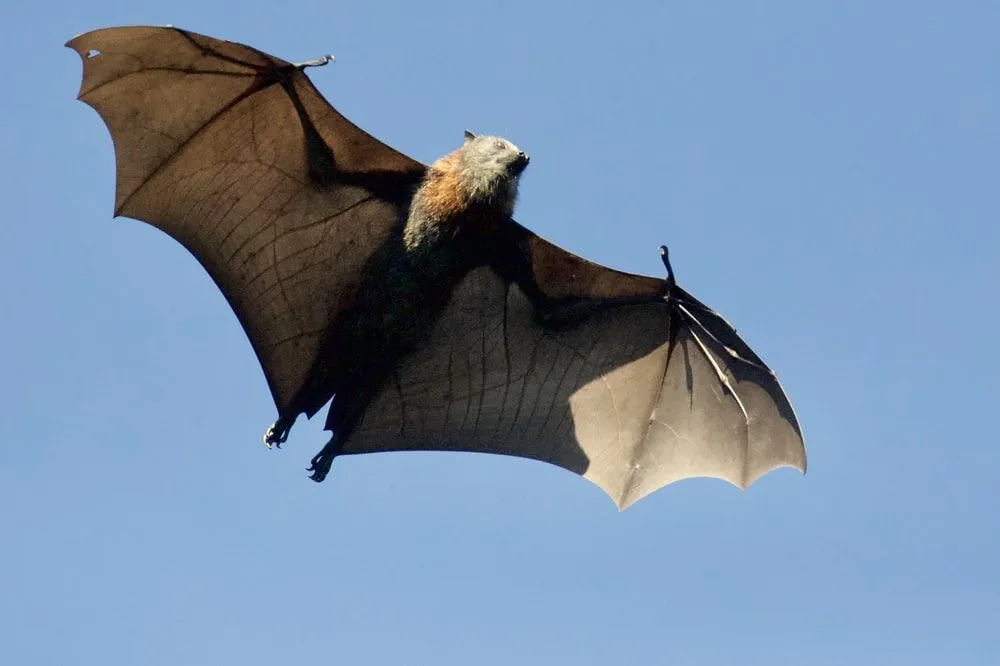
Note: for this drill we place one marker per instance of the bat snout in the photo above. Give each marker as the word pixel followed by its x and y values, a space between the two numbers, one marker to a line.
pixel 520 163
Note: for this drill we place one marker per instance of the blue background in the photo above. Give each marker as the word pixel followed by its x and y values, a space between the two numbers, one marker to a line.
pixel 826 174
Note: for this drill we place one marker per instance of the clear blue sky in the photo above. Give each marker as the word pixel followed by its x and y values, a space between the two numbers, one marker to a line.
pixel 826 174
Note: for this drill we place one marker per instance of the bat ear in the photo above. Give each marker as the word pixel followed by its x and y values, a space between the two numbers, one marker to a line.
pixel 469 136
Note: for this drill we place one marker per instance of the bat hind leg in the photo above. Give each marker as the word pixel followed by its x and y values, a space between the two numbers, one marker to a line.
pixel 345 412
pixel 277 433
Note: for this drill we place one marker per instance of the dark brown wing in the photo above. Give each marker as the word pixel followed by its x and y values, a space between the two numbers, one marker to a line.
pixel 632 398
pixel 234 153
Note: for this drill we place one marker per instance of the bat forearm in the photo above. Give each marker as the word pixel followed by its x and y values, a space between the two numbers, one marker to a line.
pixel 559 295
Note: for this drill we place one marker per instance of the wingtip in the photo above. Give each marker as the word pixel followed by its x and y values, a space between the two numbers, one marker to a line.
pixel 74 42
pixel 94 31
pixel 79 36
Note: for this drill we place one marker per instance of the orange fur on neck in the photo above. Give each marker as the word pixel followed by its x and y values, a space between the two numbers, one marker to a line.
pixel 442 195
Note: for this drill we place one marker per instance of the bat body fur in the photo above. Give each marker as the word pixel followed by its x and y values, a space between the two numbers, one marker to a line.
pixel 407 296
pixel 465 199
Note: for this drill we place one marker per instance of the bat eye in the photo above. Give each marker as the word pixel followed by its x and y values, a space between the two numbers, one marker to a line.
pixel 501 145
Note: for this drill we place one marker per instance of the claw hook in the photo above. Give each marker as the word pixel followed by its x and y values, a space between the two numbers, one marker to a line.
pixel 665 256
pixel 318 62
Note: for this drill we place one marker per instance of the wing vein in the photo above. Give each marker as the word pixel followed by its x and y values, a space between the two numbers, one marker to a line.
pixel 724 380
pixel 630 472
pixel 729 350
pixel 252 90
pixel 222 56
pixel 177 70
pixel 506 358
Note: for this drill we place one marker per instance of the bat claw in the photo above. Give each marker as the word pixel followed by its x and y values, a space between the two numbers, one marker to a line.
pixel 318 62
pixel 277 433
pixel 665 256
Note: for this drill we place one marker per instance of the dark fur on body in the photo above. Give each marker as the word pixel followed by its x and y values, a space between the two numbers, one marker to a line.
pixel 465 199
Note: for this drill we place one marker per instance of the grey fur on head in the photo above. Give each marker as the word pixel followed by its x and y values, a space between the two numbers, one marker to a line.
pixel 489 167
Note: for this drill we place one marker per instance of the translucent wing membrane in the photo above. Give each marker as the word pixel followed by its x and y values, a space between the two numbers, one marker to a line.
pixel 218 145
pixel 634 399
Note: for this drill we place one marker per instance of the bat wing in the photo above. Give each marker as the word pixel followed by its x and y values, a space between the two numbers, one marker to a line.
pixel 234 153
pixel 632 397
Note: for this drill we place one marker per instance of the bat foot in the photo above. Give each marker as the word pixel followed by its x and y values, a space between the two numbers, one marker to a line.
pixel 277 433
pixel 322 461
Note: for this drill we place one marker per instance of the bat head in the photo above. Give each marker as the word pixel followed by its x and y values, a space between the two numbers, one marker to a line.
pixel 496 153
pixel 490 167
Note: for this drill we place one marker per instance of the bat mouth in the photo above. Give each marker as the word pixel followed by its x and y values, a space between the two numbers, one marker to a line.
pixel 519 164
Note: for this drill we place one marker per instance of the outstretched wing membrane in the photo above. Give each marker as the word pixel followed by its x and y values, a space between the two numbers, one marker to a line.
pixel 234 153
pixel 633 397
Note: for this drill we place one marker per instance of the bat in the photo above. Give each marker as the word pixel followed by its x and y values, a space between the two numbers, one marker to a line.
pixel 406 296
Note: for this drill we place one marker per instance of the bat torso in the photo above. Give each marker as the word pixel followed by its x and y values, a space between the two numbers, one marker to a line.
pixel 406 284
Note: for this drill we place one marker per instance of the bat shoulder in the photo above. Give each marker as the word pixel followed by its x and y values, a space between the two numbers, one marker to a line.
pixel 442 195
